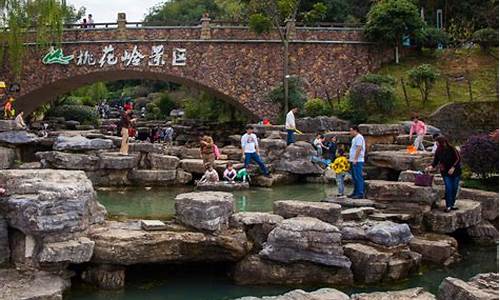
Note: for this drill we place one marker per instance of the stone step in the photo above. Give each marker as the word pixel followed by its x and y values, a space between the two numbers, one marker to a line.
pixel 395 191
pixel 357 213
pixel 399 160
pixel 348 202
pixel 395 217
pixel 326 212
pixel 467 215
pixel 436 248
pixel 153 225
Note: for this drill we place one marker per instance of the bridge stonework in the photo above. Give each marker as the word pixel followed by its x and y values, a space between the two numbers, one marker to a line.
pixel 230 62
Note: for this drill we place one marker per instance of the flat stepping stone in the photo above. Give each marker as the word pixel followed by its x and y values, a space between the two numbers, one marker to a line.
pixel 395 217
pixel 348 202
pixel 467 215
pixel 153 225
pixel 357 213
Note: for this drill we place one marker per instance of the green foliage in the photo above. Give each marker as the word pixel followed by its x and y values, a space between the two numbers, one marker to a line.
pixel 316 14
pixel 317 107
pixel 296 94
pixel 90 94
pixel 423 77
pixel 181 11
pixel 389 20
pixel 165 104
pixel 430 37
pixel 259 23
pixel 208 108
pixel 486 38
pixel 84 114
pixel 379 79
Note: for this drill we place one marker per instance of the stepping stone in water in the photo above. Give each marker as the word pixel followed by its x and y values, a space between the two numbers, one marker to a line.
pixel 153 225
pixel 348 202
pixel 358 213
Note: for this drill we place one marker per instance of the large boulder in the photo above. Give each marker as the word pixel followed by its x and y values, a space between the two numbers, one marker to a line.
pixel 8 125
pixel 436 248
pixel 192 165
pixel 78 142
pixel 222 186
pixel 257 225
pixel 145 148
pixel 17 137
pixel 152 177
pixel 72 251
pixel 68 161
pixel 32 285
pixel 163 162
pixel 389 234
pixel 253 270
pixel 380 129
pixel 483 233
pixel 204 210
pixel 395 191
pixel 373 264
pixel 321 294
pixel 489 201
pixel 305 239
pixel 7 157
pixel 4 242
pixel 399 160
pixel 271 149
pixel 409 294
pixel 115 161
pixel 297 160
pixel 326 212
pixel 480 287
pixel 127 244
pixel 467 215
pixel 321 124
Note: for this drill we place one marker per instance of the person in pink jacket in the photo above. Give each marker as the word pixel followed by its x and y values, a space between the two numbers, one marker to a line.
pixel 418 128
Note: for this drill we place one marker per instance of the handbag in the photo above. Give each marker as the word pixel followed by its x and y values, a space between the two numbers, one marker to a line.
pixel 424 179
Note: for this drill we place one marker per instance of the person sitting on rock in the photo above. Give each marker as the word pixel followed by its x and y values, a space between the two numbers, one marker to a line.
pixel 210 175
pixel 229 173
pixel 319 144
pixel 20 122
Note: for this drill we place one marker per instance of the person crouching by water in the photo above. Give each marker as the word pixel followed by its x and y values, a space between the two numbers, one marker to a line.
pixel 449 162
pixel 20 121
pixel 125 123
pixel 210 175
pixel 229 173
pixel 340 166
pixel 250 149
pixel 207 150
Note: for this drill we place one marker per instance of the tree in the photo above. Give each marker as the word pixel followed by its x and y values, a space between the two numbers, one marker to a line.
pixel 431 37
pixel 181 11
pixel 390 20
pixel 423 77
pixel 297 95
pixel 486 38
pixel 480 154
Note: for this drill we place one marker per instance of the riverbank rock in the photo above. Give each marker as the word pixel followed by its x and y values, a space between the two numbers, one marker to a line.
pixel 72 251
pixel 116 161
pixel 404 192
pixel 257 225
pixel 78 143
pixel 254 269
pixel 297 160
pixel 305 239
pixel 357 213
pixel 223 186
pixel 68 161
pixel 108 277
pixel 373 264
pixel 483 233
pixel 17 137
pixel 152 177
pixel 121 243
pixel 4 242
pixel 7 157
pixel 399 160
pixel 32 285
pixel 7 125
pixel 204 210
pixel 321 124
pixel 276 178
pixel 163 162
pixel 436 248
pixel 389 234
pixel 467 215
pixel 488 200
pixel 321 294
pixel 326 212
pixel 480 287
pixel 146 148
pixel 409 294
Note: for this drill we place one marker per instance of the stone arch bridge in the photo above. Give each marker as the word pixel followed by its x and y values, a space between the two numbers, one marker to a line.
pixel 230 62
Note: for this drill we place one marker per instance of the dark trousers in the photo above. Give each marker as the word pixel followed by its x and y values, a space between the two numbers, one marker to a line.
pixel 357 178
pixel 255 157
pixel 451 184
pixel 290 137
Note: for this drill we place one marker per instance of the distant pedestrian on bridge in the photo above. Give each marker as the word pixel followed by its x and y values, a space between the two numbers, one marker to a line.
pixel 90 21
pixel 357 160
pixel 290 126
pixel 84 23
pixel 250 149
pixel 125 123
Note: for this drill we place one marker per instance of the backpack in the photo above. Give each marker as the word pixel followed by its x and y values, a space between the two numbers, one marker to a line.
pixel 216 151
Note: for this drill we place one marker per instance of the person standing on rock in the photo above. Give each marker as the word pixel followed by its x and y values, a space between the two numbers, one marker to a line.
pixel 207 150
pixel 125 124
pixel 420 129
pixel 250 149
pixel 290 126
pixel 357 160
pixel 449 162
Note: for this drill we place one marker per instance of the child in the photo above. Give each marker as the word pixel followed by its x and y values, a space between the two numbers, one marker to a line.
pixel 229 173
pixel 318 144
pixel 210 174
pixel 340 166
pixel 435 145
pixel 420 129
pixel 332 148
pixel 242 175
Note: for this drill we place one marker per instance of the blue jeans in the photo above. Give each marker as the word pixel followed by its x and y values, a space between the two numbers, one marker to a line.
pixel 357 178
pixel 451 184
pixel 340 183
pixel 290 137
pixel 255 157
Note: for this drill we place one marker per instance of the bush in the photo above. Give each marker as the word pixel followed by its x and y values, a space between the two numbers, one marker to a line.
pixel 480 154
pixel 423 77
pixel 369 102
pixel 260 23
pixel 317 107
pixel 485 38
pixel 431 37
pixel 379 79
pixel 165 104
pixel 296 94
pixel 84 114
pixel 72 100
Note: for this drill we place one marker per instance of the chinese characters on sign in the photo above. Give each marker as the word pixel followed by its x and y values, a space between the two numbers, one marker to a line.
pixel 109 57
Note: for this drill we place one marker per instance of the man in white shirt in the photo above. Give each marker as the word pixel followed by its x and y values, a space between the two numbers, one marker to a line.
pixel 357 160
pixel 290 126
pixel 250 149
pixel 90 21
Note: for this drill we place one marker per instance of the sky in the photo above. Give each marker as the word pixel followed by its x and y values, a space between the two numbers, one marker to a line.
pixel 106 11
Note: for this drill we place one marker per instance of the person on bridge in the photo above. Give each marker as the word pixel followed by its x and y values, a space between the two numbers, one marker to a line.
pixel 357 160
pixel 125 123
pixel 290 125
pixel 90 21
pixel 250 149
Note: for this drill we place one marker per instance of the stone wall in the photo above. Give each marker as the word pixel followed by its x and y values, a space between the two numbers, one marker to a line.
pixel 460 120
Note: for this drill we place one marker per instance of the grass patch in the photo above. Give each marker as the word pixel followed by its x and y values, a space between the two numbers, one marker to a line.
pixel 488 184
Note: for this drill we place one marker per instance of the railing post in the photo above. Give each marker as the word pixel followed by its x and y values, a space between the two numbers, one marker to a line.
pixel 122 25
pixel 291 29
pixel 205 27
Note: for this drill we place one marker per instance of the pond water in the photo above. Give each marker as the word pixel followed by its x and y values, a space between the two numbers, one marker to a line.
pixel 158 203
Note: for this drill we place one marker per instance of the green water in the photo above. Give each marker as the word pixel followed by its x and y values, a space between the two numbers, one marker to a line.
pixel 158 203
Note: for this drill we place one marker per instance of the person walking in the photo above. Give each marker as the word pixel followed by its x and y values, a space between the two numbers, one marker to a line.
pixel 207 150
pixel 250 150
pixel 420 129
pixel 290 126
pixel 357 160
pixel 449 161
pixel 125 123
pixel 340 166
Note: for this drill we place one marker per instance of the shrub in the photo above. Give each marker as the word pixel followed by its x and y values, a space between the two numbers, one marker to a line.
pixel 317 107
pixel 316 14
pixel 72 100
pixel 86 115
pixel 260 23
pixel 379 79
pixel 485 38
pixel 165 104
pixel 480 154
pixel 369 102
pixel 431 37
pixel 423 77
pixel 296 94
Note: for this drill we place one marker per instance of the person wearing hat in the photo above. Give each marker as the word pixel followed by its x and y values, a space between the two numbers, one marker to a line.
pixel 8 110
